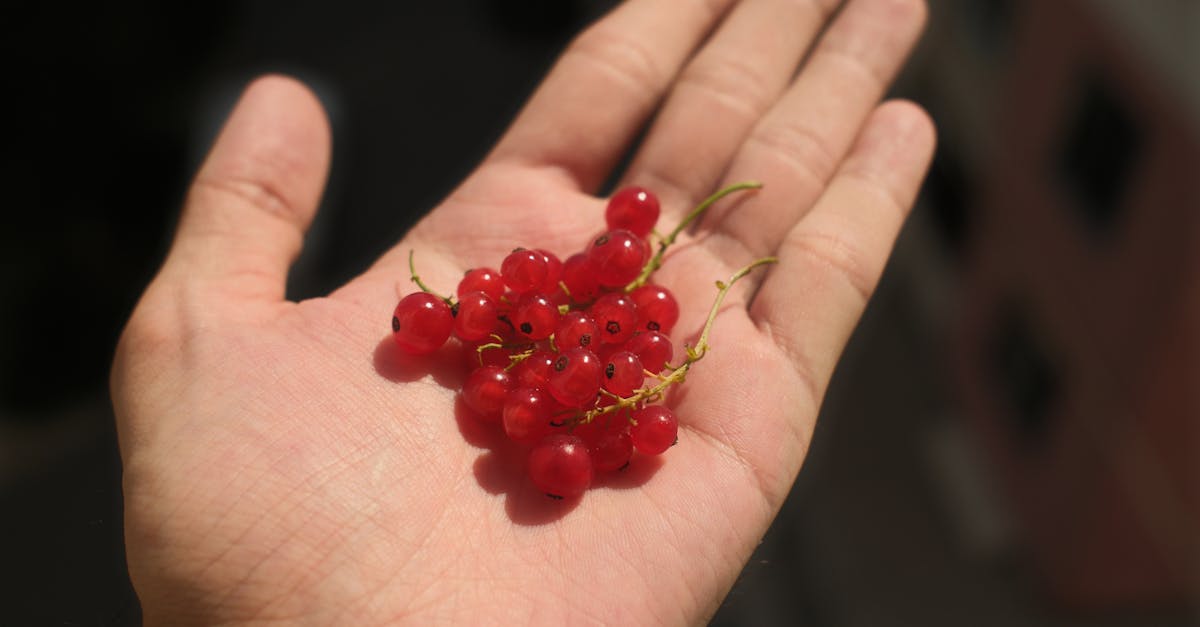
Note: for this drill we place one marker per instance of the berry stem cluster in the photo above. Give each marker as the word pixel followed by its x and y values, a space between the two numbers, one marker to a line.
pixel 678 373
pixel 553 344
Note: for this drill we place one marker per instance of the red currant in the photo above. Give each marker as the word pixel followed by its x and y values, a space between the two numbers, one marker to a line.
pixel 623 373
pixel 421 323
pixel 657 308
pixel 576 330
pixel 535 317
pixel 618 257
pixel 579 275
pixel 484 280
pixel 655 429
pixel 476 316
pixel 591 431
pixel 604 351
pixel 485 391
pixel 554 269
pixel 534 371
pixel 561 466
pixel 611 451
pixel 634 209
pixel 527 414
pixel 617 316
pixel 524 270
pixel 652 348
pixel 575 380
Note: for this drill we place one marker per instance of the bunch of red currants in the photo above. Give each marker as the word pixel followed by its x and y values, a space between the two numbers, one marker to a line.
pixel 570 357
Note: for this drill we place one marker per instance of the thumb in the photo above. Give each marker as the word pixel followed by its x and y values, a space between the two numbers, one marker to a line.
pixel 245 216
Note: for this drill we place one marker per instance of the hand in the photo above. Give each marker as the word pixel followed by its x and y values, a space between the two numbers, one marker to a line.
pixel 283 462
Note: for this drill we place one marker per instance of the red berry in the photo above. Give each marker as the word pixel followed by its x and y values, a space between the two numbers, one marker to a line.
pixel 524 270
pixel 590 432
pixel 561 466
pixel 484 280
pixel 655 429
pixel 618 256
pixel 527 414
pixel 575 380
pixel 535 317
pixel 534 371
pixel 491 356
pixel 553 272
pixel 559 298
pixel 611 451
pixel 623 373
pixel 617 316
pixel 652 348
pixel 657 308
pixel 421 323
pixel 579 275
pixel 576 330
pixel 485 391
pixel 634 209
pixel 476 316
pixel 604 351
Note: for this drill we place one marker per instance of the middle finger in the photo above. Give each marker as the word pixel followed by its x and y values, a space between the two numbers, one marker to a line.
pixel 720 96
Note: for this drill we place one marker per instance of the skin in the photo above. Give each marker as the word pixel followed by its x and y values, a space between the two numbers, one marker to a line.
pixel 285 463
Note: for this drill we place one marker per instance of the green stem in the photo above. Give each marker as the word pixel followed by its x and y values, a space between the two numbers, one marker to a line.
pixel 656 262
pixel 702 343
pixel 424 288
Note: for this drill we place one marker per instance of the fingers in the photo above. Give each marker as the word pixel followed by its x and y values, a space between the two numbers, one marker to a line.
pixel 797 146
pixel 721 95
pixel 600 92
pixel 831 260
pixel 254 197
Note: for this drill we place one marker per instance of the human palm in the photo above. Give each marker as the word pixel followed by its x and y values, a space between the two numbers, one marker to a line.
pixel 285 462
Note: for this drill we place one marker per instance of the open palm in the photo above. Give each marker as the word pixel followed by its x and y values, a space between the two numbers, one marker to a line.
pixel 284 462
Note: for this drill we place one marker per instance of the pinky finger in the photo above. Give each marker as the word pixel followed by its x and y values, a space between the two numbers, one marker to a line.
pixel 830 262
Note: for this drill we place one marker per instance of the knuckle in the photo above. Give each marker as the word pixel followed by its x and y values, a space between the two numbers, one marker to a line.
pixel 625 58
pixel 255 192
pixel 673 182
pixel 835 258
pixel 874 184
pixel 732 81
pixel 891 26
pixel 799 145
pixel 795 350
pixel 853 64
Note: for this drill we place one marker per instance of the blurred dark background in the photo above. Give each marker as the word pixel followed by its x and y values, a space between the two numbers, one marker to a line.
pixel 1011 439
